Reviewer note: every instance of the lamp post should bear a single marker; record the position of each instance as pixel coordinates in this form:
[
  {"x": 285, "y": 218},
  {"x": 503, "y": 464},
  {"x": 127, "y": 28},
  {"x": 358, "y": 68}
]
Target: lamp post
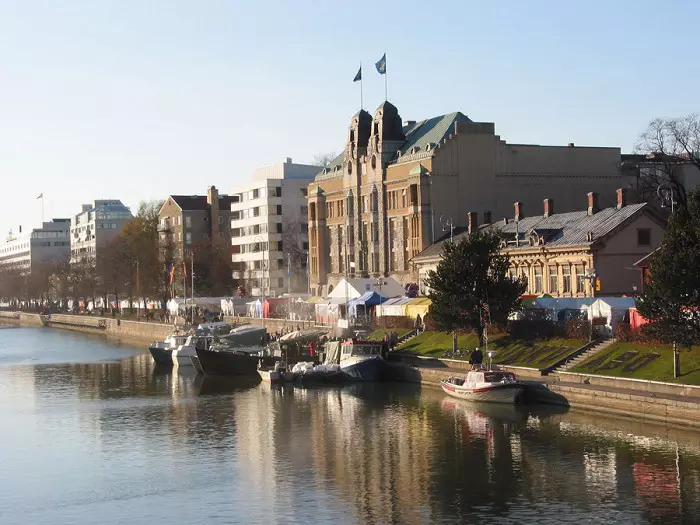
[
  {"x": 447, "y": 223},
  {"x": 591, "y": 278},
  {"x": 665, "y": 192}
]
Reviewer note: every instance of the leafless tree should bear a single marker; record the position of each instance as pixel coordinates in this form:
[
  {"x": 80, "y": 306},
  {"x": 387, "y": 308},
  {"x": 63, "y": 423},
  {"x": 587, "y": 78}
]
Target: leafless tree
[
  {"x": 665, "y": 151},
  {"x": 295, "y": 255},
  {"x": 324, "y": 159}
]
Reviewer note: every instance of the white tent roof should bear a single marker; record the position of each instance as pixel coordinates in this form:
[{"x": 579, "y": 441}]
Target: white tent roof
[
  {"x": 573, "y": 303},
  {"x": 357, "y": 287},
  {"x": 614, "y": 303}
]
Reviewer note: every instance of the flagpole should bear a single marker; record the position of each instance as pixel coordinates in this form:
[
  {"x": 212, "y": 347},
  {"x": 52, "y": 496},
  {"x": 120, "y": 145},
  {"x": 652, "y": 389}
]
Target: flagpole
[
  {"x": 386, "y": 91},
  {"x": 362, "y": 105}
]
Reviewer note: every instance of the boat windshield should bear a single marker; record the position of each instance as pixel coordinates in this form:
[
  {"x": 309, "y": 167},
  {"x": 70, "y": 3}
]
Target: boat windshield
[
  {"x": 496, "y": 377},
  {"x": 361, "y": 349}
]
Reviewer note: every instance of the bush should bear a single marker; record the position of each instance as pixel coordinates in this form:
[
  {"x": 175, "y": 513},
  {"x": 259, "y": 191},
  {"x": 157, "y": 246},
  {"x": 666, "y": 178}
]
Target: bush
[
  {"x": 646, "y": 334},
  {"x": 577, "y": 329},
  {"x": 544, "y": 329},
  {"x": 394, "y": 321}
]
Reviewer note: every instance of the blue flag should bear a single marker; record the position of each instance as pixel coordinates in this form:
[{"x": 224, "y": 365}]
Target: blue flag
[
  {"x": 381, "y": 65},
  {"x": 358, "y": 76}
]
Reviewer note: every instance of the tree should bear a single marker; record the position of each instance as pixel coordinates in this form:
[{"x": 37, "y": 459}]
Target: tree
[
  {"x": 213, "y": 269},
  {"x": 294, "y": 256},
  {"x": 666, "y": 149},
  {"x": 671, "y": 300},
  {"x": 471, "y": 287},
  {"x": 324, "y": 159}
]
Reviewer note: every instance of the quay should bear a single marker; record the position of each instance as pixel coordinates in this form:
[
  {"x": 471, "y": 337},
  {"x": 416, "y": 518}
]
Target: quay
[{"x": 639, "y": 400}]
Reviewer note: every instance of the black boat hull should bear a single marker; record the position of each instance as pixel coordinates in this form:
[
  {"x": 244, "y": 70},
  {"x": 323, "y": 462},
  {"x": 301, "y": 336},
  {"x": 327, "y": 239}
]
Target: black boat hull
[
  {"x": 228, "y": 363},
  {"x": 161, "y": 356}
]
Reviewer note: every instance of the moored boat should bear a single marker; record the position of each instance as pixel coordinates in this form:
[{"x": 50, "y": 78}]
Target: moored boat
[
  {"x": 223, "y": 361},
  {"x": 361, "y": 360},
  {"x": 161, "y": 351},
  {"x": 493, "y": 386}
]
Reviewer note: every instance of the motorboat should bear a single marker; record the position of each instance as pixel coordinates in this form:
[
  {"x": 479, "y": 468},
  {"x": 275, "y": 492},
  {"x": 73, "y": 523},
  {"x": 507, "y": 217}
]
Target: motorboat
[
  {"x": 162, "y": 350},
  {"x": 493, "y": 386},
  {"x": 361, "y": 360},
  {"x": 220, "y": 360},
  {"x": 246, "y": 336},
  {"x": 277, "y": 374}
]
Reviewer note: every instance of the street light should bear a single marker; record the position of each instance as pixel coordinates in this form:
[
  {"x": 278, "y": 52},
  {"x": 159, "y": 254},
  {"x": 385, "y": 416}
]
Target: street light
[
  {"x": 665, "y": 192},
  {"x": 446, "y": 223}
]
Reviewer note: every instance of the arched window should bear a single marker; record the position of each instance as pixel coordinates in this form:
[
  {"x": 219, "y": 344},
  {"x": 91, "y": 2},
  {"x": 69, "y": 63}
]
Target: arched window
[
  {"x": 349, "y": 168},
  {"x": 374, "y": 162}
]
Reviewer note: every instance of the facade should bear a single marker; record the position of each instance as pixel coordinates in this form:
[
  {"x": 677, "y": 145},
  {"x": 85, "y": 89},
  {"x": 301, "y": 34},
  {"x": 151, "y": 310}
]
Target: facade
[
  {"x": 575, "y": 254},
  {"x": 186, "y": 220},
  {"x": 269, "y": 230},
  {"x": 96, "y": 225},
  {"x": 46, "y": 245},
  {"x": 397, "y": 186}
]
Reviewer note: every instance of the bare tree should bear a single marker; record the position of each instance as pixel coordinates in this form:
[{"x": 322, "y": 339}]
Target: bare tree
[
  {"x": 324, "y": 159},
  {"x": 295, "y": 255},
  {"x": 666, "y": 150}
]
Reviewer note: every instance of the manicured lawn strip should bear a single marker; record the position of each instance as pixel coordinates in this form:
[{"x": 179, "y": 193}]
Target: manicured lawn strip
[
  {"x": 535, "y": 353},
  {"x": 637, "y": 361}
]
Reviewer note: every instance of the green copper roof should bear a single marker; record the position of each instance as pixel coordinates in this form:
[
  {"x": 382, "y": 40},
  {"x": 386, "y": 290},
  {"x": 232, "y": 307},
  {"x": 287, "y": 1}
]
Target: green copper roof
[{"x": 430, "y": 131}]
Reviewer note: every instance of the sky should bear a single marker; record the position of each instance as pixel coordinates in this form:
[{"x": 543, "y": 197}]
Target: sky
[{"x": 139, "y": 99}]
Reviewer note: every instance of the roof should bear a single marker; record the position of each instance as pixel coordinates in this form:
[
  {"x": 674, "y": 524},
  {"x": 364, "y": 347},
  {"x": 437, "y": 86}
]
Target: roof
[
  {"x": 430, "y": 131},
  {"x": 419, "y": 135},
  {"x": 199, "y": 202},
  {"x": 357, "y": 287},
  {"x": 560, "y": 229}
]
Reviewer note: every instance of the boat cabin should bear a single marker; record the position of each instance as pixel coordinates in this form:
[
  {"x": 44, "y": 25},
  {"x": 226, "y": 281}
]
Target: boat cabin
[
  {"x": 490, "y": 376},
  {"x": 360, "y": 348}
]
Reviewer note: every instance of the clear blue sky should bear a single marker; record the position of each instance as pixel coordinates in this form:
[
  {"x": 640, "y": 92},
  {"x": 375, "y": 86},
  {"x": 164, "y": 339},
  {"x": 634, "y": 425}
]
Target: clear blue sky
[{"x": 138, "y": 99}]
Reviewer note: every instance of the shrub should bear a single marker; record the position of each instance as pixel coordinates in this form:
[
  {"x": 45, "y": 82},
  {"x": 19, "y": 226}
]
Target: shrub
[
  {"x": 577, "y": 329},
  {"x": 394, "y": 321}
]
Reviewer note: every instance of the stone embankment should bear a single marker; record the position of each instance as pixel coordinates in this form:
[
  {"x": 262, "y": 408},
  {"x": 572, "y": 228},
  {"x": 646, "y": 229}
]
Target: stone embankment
[{"x": 666, "y": 403}]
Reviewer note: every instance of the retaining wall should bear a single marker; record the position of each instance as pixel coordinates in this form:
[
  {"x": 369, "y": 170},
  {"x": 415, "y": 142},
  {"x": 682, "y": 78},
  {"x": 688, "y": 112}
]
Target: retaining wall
[
  {"x": 656, "y": 387},
  {"x": 22, "y": 318}
]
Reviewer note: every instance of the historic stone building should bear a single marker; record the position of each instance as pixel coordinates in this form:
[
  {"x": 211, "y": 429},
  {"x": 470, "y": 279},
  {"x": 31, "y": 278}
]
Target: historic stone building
[
  {"x": 575, "y": 254},
  {"x": 397, "y": 186}
]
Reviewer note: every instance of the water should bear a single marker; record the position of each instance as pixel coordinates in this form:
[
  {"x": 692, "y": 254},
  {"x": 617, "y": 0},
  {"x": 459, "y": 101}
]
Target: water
[{"x": 92, "y": 433}]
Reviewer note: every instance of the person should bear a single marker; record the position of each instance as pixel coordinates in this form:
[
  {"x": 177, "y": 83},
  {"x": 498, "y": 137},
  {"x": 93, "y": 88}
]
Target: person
[
  {"x": 417, "y": 325},
  {"x": 476, "y": 358},
  {"x": 385, "y": 347},
  {"x": 312, "y": 349},
  {"x": 394, "y": 340}
]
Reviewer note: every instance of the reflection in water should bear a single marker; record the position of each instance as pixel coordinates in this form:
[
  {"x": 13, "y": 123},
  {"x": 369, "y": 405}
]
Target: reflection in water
[{"x": 120, "y": 441}]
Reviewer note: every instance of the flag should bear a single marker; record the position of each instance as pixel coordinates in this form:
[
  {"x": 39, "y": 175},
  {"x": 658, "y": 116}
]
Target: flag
[
  {"x": 358, "y": 76},
  {"x": 171, "y": 272},
  {"x": 381, "y": 65},
  {"x": 289, "y": 265},
  {"x": 41, "y": 196}
]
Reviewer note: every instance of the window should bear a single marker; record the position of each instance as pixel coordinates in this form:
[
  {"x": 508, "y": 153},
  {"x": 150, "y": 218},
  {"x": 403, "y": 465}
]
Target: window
[
  {"x": 643, "y": 237},
  {"x": 179, "y": 236},
  {"x": 538, "y": 278},
  {"x": 580, "y": 279},
  {"x": 280, "y": 264},
  {"x": 305, "y": 246},
  {"x": 188, "y": 238},
  {"x": 280, "y": 282},
  {"x": 278, "y": 227},
  {"x": 277, "y": 192},
  {"x": 305, "y": 211},
  {"x": 304, "y": 227},
  {"x": 188, "y": 221},
  {"x": 566, "y": 269},
  {"x": 553, "y": 279},
  {"x": 279, "y": 209},
  {"x": 221, "y": 219}
]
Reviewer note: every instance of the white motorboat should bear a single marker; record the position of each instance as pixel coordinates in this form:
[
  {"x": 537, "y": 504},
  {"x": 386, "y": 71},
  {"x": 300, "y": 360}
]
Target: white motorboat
[
  {"x": 162, "y": 350},
  {"x": 493, "y": 386}
]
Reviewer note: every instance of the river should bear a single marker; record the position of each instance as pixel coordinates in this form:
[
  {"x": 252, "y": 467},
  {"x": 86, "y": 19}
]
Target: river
[{"x": 91, "y": 432}]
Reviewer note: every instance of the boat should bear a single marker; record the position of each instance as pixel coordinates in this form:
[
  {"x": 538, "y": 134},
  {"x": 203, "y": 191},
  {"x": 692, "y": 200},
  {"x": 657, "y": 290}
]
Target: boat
[
  {"x": 493, "y": 386},
  {"x": 161, "y": 351},
  {"x": 246, "y": 336},
  {"x": 361, "y": 360},
  {"x": 224, "y": 361},
  {"x": 276, "y": 374}
]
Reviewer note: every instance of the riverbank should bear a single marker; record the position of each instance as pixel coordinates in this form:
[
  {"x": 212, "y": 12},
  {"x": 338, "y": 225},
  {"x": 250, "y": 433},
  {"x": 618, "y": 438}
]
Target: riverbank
[{"x": 634, "y": 400}]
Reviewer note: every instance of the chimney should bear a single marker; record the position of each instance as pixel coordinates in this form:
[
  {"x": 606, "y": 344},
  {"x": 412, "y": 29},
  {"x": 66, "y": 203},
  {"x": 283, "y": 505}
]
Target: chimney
[
  {"x": 213, "y": 201},
  {"x": 473, "y": 221},
  {"x": 505, "y": 221},
  {"x": 409, "y": 123},
  {"x": 592, "y": 202},
  {"x": 621, "y": 198},
  {"x": 518, "y": 212},
  {"x": 288, "y": 160},
  {"x": 456, "y": 128},
  {"x": 571, "y": 145},
  {"x": 548, "y": 207},
  {"x": 487, "y": 217},
  {"x": 20, "y": 228}
]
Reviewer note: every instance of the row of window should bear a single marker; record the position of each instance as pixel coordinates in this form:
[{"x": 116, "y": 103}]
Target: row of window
[
  {"x": 255, "y": 247},
  {"x": 561, "y": 278},
  {"x": 258, "y": 211},
  {"x": 259, "y": 193},
  {"x": 256, "y": 229}
]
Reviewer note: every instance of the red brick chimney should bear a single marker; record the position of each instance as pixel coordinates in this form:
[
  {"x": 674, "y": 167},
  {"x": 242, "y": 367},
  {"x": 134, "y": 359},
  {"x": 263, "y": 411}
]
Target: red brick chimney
[
  {"x": 548, "y": 207},
  {"x": 592, "y": 202},
  {"x": 518, "y": 210},
  {"x": 473, "y": 221},
  {"x": 621, "y": 198}
]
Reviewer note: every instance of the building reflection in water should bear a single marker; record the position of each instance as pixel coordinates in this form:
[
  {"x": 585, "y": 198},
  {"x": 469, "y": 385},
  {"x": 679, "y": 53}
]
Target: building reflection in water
[{"x": 379, "y": 453}]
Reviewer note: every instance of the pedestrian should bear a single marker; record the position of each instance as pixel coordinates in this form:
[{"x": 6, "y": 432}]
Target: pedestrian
[
  {"x": 385, "y": 347},
  {"x": 417, "y": 324},
  {"x": 312, "y": 349},
  {"x": 393, "y": 340},
  {"x": 476, "y": 358}
]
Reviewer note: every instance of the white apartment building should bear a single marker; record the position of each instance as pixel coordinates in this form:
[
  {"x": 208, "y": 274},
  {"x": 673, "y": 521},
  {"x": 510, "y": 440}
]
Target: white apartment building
[
  {"x": 269, "y": 229},
  {"x": 26, "y": 251},
  {"x": 95, "y": 226}
]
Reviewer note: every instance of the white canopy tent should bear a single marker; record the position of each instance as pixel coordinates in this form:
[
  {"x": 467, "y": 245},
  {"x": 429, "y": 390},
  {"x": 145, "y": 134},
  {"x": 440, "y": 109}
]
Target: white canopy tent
[
  {"x": 384, "y": 286},
  {"x": 613, "y": 309},
  {"x": 393, "y": 307}
]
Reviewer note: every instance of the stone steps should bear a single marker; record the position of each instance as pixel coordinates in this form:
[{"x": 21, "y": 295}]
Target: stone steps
[{"x": 602, "y": 345}]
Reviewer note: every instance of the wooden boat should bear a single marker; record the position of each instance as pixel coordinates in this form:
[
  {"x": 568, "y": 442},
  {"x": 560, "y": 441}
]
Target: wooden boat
[{"x": 493, "y": 386}]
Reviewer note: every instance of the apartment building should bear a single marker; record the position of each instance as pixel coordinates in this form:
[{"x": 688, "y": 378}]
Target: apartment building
[
  {"x": 96, "y": 225},
  {"x": 397, "y": 186},
  {"x": 46, "y": 245},
  {"x": 187, "y": 220},
  {"x": 269, "y": 229}
]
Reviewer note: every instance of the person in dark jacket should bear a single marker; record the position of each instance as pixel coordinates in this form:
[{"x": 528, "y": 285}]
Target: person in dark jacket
[{"x": 476, "y": 358}]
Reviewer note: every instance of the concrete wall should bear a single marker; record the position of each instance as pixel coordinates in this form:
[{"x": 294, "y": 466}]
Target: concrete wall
[
  {"x": 656, "y": 387},
  {"x": 142, "y": 331}
]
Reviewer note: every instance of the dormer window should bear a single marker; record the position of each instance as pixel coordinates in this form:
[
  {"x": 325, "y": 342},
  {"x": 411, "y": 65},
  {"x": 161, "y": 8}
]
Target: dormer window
[
  {"x": 414, "y": 150},
  {"x": 429, "y": 146}
]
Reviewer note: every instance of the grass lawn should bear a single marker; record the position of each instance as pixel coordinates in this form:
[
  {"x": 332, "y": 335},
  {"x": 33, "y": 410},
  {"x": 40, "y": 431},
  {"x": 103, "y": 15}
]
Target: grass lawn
[
  {"x": 641, "y": 361},
  {"x": 535, "y": 353},
  {"x": 378, "y": 334}
]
